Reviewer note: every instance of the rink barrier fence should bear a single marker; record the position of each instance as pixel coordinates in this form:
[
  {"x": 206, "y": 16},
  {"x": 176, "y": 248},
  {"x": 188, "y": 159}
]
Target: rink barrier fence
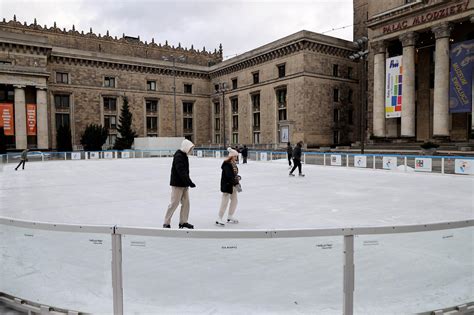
[
  {"x": 441, "y": 164},
  {"x": 348, "y": 233}
]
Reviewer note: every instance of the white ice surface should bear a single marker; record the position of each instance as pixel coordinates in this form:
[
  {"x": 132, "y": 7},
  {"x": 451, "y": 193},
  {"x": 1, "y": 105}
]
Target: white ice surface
[{"x": 395, "y": 274}]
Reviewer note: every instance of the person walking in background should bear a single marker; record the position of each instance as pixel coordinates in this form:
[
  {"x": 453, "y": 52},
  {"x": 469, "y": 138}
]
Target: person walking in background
[
  {"x": 23, "y": 159},
  {"x": 238, "y": 152},
  {"x": 180, "y": 183},
  {"x": 297, "y": 159},
  {"x": 229, "y": 187},
  {"x": 245, "y": 154},
  {"x": 289, "y": 151}
]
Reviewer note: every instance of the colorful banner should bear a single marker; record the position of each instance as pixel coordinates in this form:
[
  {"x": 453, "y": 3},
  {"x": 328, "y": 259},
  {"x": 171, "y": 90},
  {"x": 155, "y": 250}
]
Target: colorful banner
[
  {"x": 7, "y": 119},
  {"x": 460, "y": 83},
  {"x": 393, "y": 87},
  {"x": 462, "y": 166},
  {"x": 423, "y": 164},
  {"x": 31, "y": 119},
  {"x": 360, "y": 161}
]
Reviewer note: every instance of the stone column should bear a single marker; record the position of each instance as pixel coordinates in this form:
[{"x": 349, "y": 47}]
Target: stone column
[
  {"x": 378, "y": 107},
  {"x": 441, "y": 81},
  {"x": 408, "y": 85},
  {"x": 42, "y": 118},
  {"x": 20, "y": 118}
]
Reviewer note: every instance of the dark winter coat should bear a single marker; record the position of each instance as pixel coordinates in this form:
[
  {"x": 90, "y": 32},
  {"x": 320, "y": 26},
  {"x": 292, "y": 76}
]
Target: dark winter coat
[
  {"x": 297, "y": 153},
  {"x": 180, "y": 170},
  {"x": 289, "y": 150},
  {"x": 228, "y": 178},
  {"x": 245, "y": 152}
]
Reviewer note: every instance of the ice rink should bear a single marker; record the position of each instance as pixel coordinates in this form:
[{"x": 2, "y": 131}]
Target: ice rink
[
  {"x": 136, "y": 192},
  {"x": 395, "y": 274}
]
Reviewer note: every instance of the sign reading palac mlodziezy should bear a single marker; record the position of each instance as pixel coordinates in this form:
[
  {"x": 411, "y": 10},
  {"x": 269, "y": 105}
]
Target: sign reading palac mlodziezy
[
  {"x": 460, "y": 87},
  {"x": 7, "y": 119},
  {"x": 393, "y": 87},
  {"x": 31, "y": 119}
]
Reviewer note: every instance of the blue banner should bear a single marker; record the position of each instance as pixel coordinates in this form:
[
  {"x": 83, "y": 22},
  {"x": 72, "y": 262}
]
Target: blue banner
[{"x": 460, "y": 87}]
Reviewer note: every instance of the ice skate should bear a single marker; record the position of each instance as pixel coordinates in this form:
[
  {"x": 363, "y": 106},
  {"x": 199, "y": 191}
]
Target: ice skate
[
  {"x": 186, "y": 226},
  {"x": 232, "y": 221},
  {"x": 166, "y": 226},
  {"x": 219, "y": 222},
  {"x": 291, "y": 174},
  {"x": 301, "y": 174}
]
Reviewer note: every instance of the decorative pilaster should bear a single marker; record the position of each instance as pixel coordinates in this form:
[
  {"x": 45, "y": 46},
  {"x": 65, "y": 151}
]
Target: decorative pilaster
[
  {"x": 379, "y": 89},
  {"x": 408, "y": 85},
  {"x": 441, "y": 81},
  {"x": 20, "y": 118},
  {"x": 42, "y": 118}
]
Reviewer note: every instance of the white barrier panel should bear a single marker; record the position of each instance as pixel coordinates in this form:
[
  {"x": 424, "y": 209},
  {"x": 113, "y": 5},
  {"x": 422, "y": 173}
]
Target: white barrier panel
[
  {"x": 125, "y": 155},
  {"x": 108, "y": 155},
  {"x": 463, "y": 166},
  {"x": 199, "y": 153},
  {"x": 389, "y": 162},
  {"x": 336, "y": 160},
  {"x": 94, "y": 155},
  {"x": 360, "y": 161},
  {"x": 75, "y": 155},
  {"x": 218, "y": 154},
  {"x": 423, "y": 164},
  {"x": 263, "y": 156}
]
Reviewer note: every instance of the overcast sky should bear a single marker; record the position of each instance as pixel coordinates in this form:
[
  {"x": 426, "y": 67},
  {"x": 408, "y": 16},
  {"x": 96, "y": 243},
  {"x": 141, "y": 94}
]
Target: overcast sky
[{"x": 240, "y": 25}]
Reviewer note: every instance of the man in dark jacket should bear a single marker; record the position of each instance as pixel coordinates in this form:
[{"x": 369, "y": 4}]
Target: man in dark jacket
[
  {"x": 297, "y": 159},
  {"x": 245, "y": 154},
  {"x": 289, "y": 151},
  {"x": 180, "y": 183},
  {"x": 23, "y": 159}
]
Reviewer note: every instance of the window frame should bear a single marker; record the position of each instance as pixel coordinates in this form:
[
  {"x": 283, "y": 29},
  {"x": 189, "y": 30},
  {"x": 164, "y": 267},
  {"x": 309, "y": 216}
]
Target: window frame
[{"x": 151, "y": 85}]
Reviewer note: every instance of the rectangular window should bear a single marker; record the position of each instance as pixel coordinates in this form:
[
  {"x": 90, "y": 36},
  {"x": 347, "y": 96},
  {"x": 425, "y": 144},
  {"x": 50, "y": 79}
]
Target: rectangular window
[
  {"x": 282, "y": 114},
  {"x": 217, "y": 124},
  {"x": 336, "y": 137},
  {"x": 110, "y": 121},
  {"x": 234, "y": 83},
  {"x": 350, "y": 118},
  {"x": 151, "y": 106},
  {"x": 349, "y": 96},
  {"x": 256, "y": 137},
  {"x": 281, "y": 70},
  {"x": 62, "y": 120},
  {"x": 189, "y": 137},
  {"x": 217, "y": 108},
  {"x": 217, "y": 138},
  {"x": 336, "y": 115},
  {"x": 235, "y": 122},
  {"x": 235, "y": 138},
  {"x": 281, "y": 100},
  {"x": 61, "y": 101},
  {"x": 109, "y": 82},
  {"x": 188, "y": 88},
  {"x": 111, "y": 139},
  {"x": 151, "y": 85},
  {"x": 152, "y": 124},
  {"x": 335, "y": 96},
  {"x": 335, "y": 70},
  {"x": 110, "y": 104},
  {"x": 235, "y": 105},
  {"x": 216, "y": 88},
  {"x": 188, "y": 125},
  {"x": 187, "y": 108},
  {"x": 256, "y": 121},
  {"x": 349, "y": 73},
  {"x": 62, "y": 77},
  {"x": 256, "y": 102},
  {"x": 256, "y": 78}
]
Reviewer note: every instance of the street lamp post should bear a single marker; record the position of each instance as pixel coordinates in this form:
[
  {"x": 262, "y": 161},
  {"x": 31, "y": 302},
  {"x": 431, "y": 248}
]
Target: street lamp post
[
  {"x": 361, "y": 56},
  {"x": 173, "y": 59},
  {"x": 223, "y": 89}
]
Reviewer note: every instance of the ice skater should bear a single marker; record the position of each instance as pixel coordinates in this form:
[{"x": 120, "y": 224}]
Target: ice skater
[
  {"x": 180, "y": 183},
  {"x": 297, "y": 159},
  {"x": 289, "y": 151},
  {"x": 23, "y": 159},
  {"x": 245, "y": 154},
  {"x": 229, "y": 187}
]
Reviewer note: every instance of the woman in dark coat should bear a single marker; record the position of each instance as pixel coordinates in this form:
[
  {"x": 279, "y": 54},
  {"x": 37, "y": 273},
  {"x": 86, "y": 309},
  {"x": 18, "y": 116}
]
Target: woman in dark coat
[{"x": 229, "y": 188}]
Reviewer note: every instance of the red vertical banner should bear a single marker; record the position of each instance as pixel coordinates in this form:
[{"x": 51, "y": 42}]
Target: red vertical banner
[
  {"x": 31, "y": 119},
  {"x": 7, "y": 119}
]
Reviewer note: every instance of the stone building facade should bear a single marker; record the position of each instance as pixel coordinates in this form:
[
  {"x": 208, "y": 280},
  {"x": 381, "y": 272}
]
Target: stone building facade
[
  {"x": 301, "y": 87},
  {"x": 423, "y": 34}
]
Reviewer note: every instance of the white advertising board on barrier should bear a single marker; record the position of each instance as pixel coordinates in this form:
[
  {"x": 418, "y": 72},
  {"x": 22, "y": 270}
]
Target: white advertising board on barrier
[
  {"x": 94, "y": 155},
  {"x": 360, "y": 161},
  {"x": 75, "y": 155},
  {"x": 389, "y": 162},
  {"x": 218, "y": 154},
  {"x": 263, "y": 156},
  {"x": 199, "y": 153},
  {"x": 157, "y": 143},
  {"x": 423, "y": 164},
  {"x": 336, "y": 160},
  {"x": 108, "y": 155},
  {"x": 462, "y": 166},
  {"x": 125, "y": 155}
]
